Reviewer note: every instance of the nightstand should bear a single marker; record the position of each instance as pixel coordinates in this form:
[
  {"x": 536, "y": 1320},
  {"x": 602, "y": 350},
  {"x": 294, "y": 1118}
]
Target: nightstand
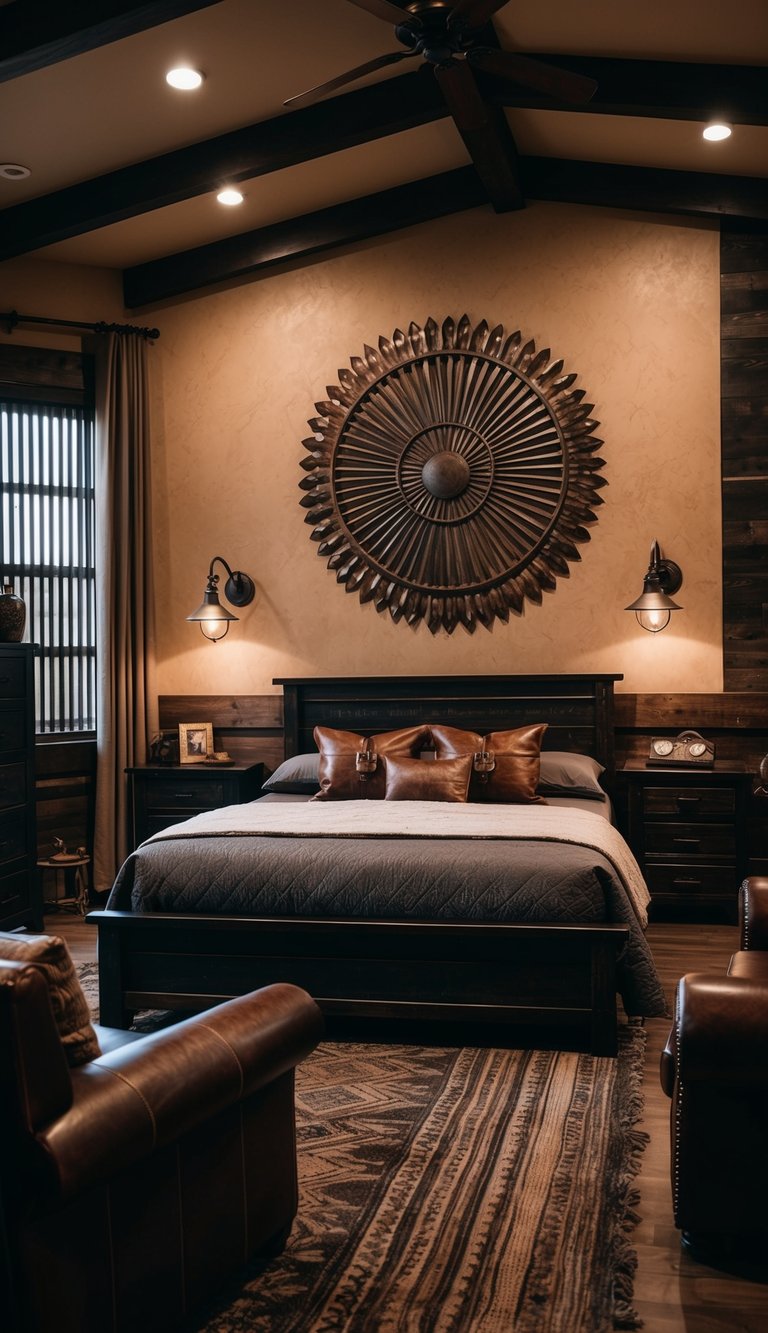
[
  {"x": 687, "y": 828},
  {"x": 160, "y": 796}
]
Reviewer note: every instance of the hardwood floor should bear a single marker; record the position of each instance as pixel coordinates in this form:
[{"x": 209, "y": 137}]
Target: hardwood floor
[{"x": 672, "y": 1293}]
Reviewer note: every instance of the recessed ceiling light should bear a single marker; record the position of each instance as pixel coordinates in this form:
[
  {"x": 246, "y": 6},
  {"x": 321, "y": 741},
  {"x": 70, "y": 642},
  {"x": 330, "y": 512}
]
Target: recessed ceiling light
[
  {"x": 14, "y": 171},
  {"x": 229, "y": 196},
  {"x": 184, "y": 78},
  {"x": 716, "y": 132}
]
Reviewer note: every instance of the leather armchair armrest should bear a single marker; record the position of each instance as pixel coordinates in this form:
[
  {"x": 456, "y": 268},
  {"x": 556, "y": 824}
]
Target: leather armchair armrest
[
  {"x": 269, "y": 1031},
  {"x": 148, "y": 1093},
  {"x": 668, "y": 1063},
  {"x": 753, "y": 913},
  {"x": 721, "y": 1029}
]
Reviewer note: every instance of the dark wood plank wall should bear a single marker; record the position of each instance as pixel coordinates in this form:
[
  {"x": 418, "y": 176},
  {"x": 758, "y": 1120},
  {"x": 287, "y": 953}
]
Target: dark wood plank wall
[
  {"x": 744, "y": 386},
  {"x": 248, "y": 726},
  {"x": 251, "y": 726}
]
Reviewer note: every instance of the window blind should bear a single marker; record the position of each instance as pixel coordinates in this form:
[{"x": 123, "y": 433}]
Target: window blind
[{"x": 47, "y": 550}]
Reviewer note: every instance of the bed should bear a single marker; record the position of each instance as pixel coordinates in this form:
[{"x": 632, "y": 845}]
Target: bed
[{"x": 450, "y": 923}]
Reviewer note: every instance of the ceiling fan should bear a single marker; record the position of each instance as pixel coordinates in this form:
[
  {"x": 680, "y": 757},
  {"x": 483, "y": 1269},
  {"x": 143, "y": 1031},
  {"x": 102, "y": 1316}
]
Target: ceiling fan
[{"x": 448, "y": 34}]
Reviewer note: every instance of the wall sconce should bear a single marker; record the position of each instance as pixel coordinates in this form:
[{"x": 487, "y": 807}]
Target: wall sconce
[
  {"x": 212, "y": 617},
  {"x": 654, "y": 605}
]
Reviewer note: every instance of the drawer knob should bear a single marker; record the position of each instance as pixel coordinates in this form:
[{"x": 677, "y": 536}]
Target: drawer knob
[
  {"x": 689, "y": 842},
  {"x": 684, "y": 799},
  {"x": 686, "y": 881},
  {"x": 183, "y": 795}
]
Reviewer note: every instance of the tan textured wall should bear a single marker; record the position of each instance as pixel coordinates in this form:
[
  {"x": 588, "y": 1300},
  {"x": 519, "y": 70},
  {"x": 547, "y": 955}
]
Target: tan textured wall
[
  {"x": 632, "y": 305},
  {"x": 60, "y": 291}
]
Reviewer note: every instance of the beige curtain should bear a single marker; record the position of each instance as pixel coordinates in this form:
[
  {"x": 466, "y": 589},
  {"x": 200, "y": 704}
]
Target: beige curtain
[{"x": 126, "y": 692}]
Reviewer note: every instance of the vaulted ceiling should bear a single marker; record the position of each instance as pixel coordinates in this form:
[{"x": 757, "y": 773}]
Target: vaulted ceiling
[{"x": 124, "y": 171}]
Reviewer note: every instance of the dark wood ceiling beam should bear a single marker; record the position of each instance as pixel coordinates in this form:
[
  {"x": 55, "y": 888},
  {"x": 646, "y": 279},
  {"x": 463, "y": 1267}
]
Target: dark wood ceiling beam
[
  {"x": 661, "y": 89},
  {"x": 295, "y": 239},
  {"x": 694, "y": 193},
  {"x": 637, "y": 188},
  {"x": 269, "y": 145},
  {"x": 37, "y": 33}
]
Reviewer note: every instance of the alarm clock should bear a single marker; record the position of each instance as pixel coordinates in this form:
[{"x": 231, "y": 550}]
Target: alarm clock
[{"x": 687, "y": 748}]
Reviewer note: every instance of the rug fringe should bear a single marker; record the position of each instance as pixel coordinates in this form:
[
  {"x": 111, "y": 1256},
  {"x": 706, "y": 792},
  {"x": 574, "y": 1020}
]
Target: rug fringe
[{"x": 625, "y": 1316}]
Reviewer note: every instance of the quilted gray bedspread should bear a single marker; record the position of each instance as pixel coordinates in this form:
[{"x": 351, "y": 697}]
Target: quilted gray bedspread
[{"x": 414, "y": 879}]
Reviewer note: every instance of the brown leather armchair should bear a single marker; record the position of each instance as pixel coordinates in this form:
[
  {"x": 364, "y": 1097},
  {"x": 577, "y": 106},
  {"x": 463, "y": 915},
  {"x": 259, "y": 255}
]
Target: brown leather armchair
[
  {"x": 130, "y": 1187},
  {"x": 715, "y": 1069}
]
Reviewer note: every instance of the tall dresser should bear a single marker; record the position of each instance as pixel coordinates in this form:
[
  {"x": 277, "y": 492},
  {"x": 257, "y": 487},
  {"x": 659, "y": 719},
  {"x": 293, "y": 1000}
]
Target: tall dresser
[{"x": 20, "y": 894}]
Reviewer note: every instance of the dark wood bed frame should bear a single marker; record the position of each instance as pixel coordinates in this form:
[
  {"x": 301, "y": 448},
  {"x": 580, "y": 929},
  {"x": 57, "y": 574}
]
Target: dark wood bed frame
[{"x": 550, "y": 984}]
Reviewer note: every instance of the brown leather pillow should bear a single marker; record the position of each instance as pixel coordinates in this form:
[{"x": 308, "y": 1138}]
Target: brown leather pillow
[
  {"x": 338, "y": 774},
  {"x": 428, "y": 779},
  {"x": 516, "y": 760}
]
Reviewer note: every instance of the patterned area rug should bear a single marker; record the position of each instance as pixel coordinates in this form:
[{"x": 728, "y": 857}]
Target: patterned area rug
[{"x": 455, "y": 1191}]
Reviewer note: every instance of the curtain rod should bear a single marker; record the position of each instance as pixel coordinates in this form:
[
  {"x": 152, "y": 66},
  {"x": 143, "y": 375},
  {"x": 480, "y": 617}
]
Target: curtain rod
[{"x": 12, "y": 319}]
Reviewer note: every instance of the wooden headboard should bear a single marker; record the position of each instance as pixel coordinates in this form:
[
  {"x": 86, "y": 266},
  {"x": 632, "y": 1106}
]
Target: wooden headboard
[{"x": 578, "y": 709}]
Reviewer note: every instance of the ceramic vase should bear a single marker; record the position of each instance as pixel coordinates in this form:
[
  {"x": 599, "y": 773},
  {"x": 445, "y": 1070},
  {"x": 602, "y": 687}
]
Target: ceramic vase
[{"x": 13, "y": 615}]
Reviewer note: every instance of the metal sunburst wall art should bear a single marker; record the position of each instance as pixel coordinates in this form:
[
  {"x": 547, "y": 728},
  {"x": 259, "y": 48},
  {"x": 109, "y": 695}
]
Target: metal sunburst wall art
[{"x": 451, "y": 473}]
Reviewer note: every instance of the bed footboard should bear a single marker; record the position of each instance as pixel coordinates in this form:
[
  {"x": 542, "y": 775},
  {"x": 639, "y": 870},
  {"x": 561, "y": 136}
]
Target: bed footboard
[{"x": 558, "y": 981}]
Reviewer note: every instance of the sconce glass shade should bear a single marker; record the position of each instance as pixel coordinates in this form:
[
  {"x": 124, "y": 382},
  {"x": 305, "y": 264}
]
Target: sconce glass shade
[
  {"x": 213, "y": 618},
  {"x": 654, "y": 606}
]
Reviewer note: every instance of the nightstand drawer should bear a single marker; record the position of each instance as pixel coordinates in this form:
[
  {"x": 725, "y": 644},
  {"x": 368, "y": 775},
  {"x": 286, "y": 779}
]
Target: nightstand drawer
[
  {"x": 14, "y": 894},
  {"x": 162, "y": 797},
  {"x": 680, "y": 880},
  {"x": 689, "y": 802},
  {"x": 156, "y": 823},
  {"x": 13, "y": 677},
  {"x": 13, "y": 838},
  {"x": 13, "y": 785},
  {"x": 685, "y": 840},
  {"x": 13, "y": 730},
  {"x": 178, "y": 794}
]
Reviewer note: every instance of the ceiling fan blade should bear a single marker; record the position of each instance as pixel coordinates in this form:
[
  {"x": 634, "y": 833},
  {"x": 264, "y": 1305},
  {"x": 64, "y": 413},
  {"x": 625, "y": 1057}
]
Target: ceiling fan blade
[
  {"x": 313, "y": 94},
  {"x": 462, "y": 95},
  {"x": 560, "y": 84},
  {"x": 382, "y": 9},
  {"x": 474, "y": 13}
]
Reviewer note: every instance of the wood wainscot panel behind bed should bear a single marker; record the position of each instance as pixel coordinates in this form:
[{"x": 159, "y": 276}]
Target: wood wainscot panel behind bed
[{"x": 547, "y": 984}]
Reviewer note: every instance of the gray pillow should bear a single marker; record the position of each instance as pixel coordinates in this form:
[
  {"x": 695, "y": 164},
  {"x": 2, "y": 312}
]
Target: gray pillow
[
  {"x": 566, "y": 774},
  {"x": 50, "y": 955},
  {"x": 298, "y": 775}
]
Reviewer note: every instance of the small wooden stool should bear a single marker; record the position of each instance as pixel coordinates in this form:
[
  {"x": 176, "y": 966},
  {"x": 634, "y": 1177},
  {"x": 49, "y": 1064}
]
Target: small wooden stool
[{"x": 75, "y": 896}]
